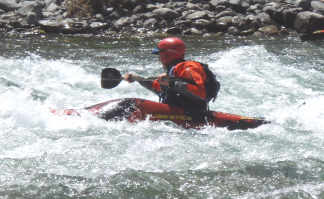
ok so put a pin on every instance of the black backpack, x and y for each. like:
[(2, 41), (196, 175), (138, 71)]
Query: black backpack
[(212, 86)]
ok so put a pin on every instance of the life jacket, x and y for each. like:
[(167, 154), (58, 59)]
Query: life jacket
[(211, 85), (189, 95), (169, 96)]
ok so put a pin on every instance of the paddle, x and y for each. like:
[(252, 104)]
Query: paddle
[(111, 77)]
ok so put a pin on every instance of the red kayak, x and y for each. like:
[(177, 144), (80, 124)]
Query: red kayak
[(134, 110)]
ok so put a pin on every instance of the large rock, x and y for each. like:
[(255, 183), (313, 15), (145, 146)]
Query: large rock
[(270, 10), (233, 31), (165, 13), (99, 25), (173, 31), (191, 6), (49, 26), (32, 18), (278, 16), (290, 15), (52, 7), (266, 19), (198, 15), (305, 4), (238, 6), (269, 30), (130, 4), (224, 23), (8, 5), (201, 24), (225, 13), (29, 6), (150, 7), (66, 27), (151, 24), (239, 22), (124, 21), (308, 22), (318, 7), (248, 32), (140, 9), (253, 22)]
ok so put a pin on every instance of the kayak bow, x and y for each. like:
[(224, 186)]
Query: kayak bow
[(135, 110)]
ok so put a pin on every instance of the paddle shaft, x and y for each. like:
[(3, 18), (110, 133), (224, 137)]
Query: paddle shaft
[(151, 79), (111, 77)]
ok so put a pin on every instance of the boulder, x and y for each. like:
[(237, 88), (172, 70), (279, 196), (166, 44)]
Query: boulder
[(227, 12), (131, 4), (52, 7), (233, 31), (139, 9), (201, 24), (238, 6), (122, 22), (278, 16), (165, 13), (224, 23), (49, 26), (29, 6), (318, 7), (213, 3), (32, 18), (270, 10), (194, 31), (305, 4), (253, 22), (290, 15), (308, 22), (198, 15), (225, 3), (220, 9), (247, 32), (266, 19), (257, 34), (173, 31), (99, 25), (8, 5), (191, 6), (269, 30), (150, 7), (66, 27), (239, 22), (151, 24)]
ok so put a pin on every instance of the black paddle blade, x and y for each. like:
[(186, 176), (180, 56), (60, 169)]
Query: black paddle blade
[(110, 78)]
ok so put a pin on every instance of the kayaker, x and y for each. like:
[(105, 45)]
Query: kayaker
[(171, 53)]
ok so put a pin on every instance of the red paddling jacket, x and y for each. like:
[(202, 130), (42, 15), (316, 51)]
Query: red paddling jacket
[(181, 93)]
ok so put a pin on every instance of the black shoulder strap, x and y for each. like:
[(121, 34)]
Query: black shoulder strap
[(212, 86)]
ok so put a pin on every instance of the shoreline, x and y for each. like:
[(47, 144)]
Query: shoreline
[(161, 18)]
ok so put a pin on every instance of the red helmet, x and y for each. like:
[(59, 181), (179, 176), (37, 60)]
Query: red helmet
[(170, 49)]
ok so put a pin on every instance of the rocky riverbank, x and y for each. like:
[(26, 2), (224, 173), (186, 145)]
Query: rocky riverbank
[(164, 17)]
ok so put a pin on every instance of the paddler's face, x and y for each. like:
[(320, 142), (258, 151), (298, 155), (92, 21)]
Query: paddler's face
[(164, 66)]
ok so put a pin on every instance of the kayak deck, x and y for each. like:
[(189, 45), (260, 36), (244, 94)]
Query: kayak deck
[(135, 110)]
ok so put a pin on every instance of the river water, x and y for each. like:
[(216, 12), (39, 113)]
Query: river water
[(48, 156)]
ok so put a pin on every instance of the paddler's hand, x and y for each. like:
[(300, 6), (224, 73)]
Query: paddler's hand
[(128, 77), (160, 79)]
